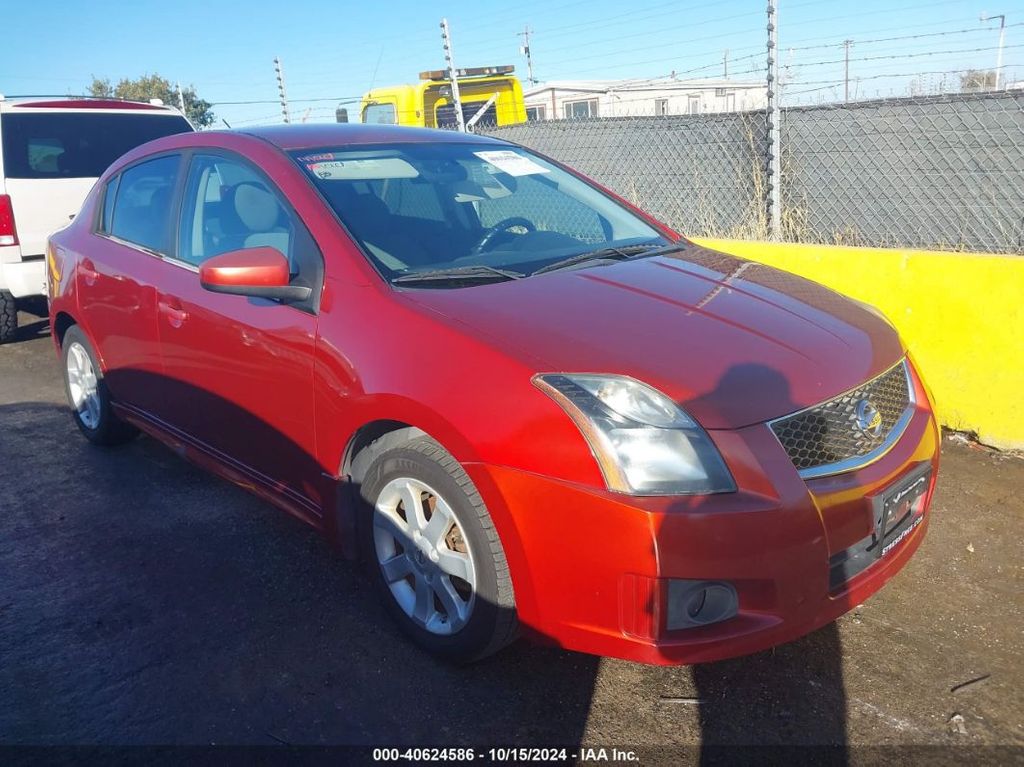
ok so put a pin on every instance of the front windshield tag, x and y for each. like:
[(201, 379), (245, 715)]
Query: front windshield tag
[(512, 163), (362, 169)]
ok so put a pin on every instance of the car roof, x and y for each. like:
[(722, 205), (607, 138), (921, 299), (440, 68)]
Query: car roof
[(82, 104), (340, 134)]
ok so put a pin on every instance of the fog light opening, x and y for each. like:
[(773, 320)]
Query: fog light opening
[(699, 603)]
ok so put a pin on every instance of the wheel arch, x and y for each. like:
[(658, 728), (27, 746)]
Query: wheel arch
[(370, 440), (62, 322)]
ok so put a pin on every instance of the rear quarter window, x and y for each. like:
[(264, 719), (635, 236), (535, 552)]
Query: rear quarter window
[(77, 144), (109, 196)]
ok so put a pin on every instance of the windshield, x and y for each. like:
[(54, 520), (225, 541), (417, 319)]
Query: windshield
[(467, 209), (77, 144)]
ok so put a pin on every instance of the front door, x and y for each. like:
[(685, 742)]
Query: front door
[(240, 370)]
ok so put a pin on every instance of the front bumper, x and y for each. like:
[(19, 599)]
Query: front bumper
[(590, 568)]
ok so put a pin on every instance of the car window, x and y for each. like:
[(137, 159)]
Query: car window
[(109, 197), (539, 201), (229, 206), (143, 201), (382, 114), (421, 206), (77, 144)]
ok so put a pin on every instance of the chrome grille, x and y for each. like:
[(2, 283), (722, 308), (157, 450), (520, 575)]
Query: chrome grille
[(827, 439)]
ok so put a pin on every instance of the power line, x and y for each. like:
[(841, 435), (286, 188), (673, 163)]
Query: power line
[(900, 38), (892, 56), (827, 84), (341, 99), (549, 34)]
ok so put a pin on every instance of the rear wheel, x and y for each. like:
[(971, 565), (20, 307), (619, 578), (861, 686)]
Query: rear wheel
[(434, 553), (87, 393), (8, 317)]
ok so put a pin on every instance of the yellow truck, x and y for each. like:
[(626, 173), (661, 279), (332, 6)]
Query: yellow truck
[(489, 96)]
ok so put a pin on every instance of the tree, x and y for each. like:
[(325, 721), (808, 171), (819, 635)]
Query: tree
[(978, 80), (154, 86)]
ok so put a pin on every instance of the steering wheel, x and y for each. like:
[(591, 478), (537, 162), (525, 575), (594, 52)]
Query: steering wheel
[(500, 228)]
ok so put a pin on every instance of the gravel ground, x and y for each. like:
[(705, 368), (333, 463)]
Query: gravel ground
[(145, 602)]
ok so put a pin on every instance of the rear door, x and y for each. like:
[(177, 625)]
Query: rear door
[(117, 275), (52, 157)]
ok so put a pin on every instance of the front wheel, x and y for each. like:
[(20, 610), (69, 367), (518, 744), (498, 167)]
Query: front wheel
[(434, 553), (87, 393)]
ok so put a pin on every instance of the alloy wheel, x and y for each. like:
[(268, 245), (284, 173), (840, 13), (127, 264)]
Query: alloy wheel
[(424, 556), (83, 386)]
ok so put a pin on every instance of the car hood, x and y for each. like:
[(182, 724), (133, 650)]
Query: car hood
[(733, 342)]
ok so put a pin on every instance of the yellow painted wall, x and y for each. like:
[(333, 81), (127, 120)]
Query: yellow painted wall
[(961, 315)]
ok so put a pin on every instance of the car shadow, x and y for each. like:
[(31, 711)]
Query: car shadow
[(33, 320), (146, 602)]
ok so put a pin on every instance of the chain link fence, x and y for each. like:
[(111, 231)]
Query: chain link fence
[(941, 172)]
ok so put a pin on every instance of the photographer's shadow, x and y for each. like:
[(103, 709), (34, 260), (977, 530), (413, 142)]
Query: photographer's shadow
[(793, 694)]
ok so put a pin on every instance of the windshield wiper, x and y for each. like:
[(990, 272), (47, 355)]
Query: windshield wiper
[(612, 253), (458, 273)]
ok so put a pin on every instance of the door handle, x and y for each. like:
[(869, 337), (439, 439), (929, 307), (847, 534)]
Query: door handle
[(88, 272), (172, 310)]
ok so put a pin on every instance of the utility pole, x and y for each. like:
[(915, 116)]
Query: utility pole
[(181, 99), (525, 50), (281, 90), (725, 64), (1002, 37), (774, 115), (449, 62), (846, 76)]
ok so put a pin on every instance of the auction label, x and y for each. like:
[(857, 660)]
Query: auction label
[(512, 163)]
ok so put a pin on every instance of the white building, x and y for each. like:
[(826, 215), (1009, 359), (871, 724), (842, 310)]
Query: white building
[(559, 99)]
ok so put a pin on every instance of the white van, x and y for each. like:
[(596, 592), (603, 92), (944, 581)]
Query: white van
[(53, 150)]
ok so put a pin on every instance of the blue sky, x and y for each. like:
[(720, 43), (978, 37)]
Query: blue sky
[(337, 50)]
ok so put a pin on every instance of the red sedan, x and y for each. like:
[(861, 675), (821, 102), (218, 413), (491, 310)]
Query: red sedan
[(525, 403)]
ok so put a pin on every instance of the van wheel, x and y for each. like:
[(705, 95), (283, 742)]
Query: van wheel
[(434, 554), (8, 317), (87, 393)]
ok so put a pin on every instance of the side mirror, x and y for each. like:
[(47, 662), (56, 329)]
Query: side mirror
[(261, 272)]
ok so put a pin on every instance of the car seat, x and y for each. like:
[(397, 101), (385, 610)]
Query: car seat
[(256, 219)]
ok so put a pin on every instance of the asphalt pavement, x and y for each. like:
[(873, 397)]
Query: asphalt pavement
[(143, 601)]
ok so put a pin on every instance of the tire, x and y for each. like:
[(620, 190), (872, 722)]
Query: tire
[(469, 546), (8, 317), (84, 384)]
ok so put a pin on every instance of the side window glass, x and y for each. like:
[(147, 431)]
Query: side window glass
[(230, 206), (142, 207), (109, 196), (44, 155), (380, 114)]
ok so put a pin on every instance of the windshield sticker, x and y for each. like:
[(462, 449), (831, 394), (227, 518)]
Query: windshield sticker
[(316, 157), (363, 169), (511, 163)]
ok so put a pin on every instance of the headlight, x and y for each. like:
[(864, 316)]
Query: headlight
[(643, 442)]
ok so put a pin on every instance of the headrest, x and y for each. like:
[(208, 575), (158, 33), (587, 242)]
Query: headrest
[(257, 208)]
